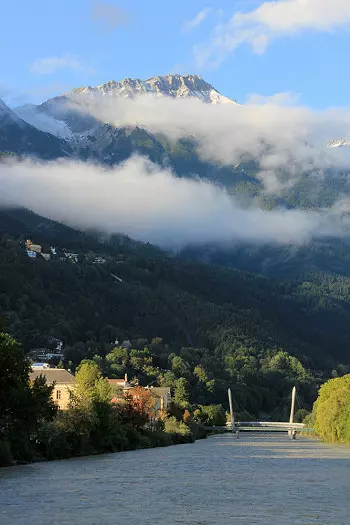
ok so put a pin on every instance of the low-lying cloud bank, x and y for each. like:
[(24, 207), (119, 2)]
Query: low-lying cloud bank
[(289, 138), (150, 204)]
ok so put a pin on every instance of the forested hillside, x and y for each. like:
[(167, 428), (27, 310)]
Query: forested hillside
[(241, 329)]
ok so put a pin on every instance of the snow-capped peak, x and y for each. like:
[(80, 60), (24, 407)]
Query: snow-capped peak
[(339, 143), (62, 115), (176, 86)]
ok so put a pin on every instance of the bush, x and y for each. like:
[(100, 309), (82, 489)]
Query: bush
[(197, 430), (54, 442), (300, 415), (145, 441), (211, 415), (180, 431), (160, 438)]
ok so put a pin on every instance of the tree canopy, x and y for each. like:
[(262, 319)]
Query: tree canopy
[(331, 413)]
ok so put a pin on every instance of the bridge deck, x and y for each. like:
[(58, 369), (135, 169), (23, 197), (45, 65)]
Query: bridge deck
[(264, 426)]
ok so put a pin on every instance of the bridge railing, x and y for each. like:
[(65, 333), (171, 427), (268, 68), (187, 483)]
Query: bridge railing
[(267, 424)]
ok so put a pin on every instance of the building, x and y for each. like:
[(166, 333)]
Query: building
[(73, 257), (119, 387), (163, 394), (40, 366), (31, 254), (46, 256), (99, 260), (120, 384), (62, 380), (33, 247)]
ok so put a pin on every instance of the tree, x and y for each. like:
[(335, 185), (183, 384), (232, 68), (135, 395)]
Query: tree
[(168, 379), (287, 365), (139, 407), (182, 393), (14, 382), (331, 410), (42, 404), (117, 361), (90, 385), (201, 374), (211, 415), (300, 415), (22, 408), (180, 367), (140, 359)]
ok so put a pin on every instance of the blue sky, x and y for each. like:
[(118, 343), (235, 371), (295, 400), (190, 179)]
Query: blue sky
[(47, 48)]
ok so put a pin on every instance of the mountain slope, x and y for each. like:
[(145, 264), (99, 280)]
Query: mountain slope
[(17, 136), (185, 303)]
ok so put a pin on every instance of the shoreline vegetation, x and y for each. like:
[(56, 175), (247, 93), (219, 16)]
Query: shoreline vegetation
[(33, 429), (330, 416), (100, 420)]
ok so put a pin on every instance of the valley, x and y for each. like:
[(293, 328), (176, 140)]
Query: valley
[(232, 308)]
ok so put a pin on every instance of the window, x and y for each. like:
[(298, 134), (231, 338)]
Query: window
[(58, 394)]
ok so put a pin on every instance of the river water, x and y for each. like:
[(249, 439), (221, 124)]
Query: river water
[(258, 479)]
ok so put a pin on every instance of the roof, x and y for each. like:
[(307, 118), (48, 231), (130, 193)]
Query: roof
[(116, 381), (120, 383), (54, 375), (161, 390)]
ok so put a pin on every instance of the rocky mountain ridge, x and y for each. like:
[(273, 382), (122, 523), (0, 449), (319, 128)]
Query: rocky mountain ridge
[(176, 86)]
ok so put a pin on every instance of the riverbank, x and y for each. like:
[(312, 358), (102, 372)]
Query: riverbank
[(130, 440)]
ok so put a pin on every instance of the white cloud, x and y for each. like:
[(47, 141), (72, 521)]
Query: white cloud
[(149, 203), (269, 21), (291, 138), (49, 65), (108, 15), (285, 98), (197, 20)]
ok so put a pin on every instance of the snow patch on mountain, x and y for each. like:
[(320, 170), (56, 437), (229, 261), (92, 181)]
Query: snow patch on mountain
[(339, 143), (43, 122)]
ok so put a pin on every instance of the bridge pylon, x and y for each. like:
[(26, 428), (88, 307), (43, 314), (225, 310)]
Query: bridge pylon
[(292, 408)]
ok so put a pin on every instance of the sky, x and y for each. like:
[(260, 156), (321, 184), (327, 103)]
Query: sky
[(243, 48)]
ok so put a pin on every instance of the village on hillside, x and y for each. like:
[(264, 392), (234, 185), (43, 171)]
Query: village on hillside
[(35, 251)]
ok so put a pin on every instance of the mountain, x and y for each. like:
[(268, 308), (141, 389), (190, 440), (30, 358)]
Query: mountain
[(89, 138), (63, 117), (176, 86), (234, 323), (17, 136), (229, 322), (339, 143)]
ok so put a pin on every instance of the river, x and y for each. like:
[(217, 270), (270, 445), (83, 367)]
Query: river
[(258, 479)]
